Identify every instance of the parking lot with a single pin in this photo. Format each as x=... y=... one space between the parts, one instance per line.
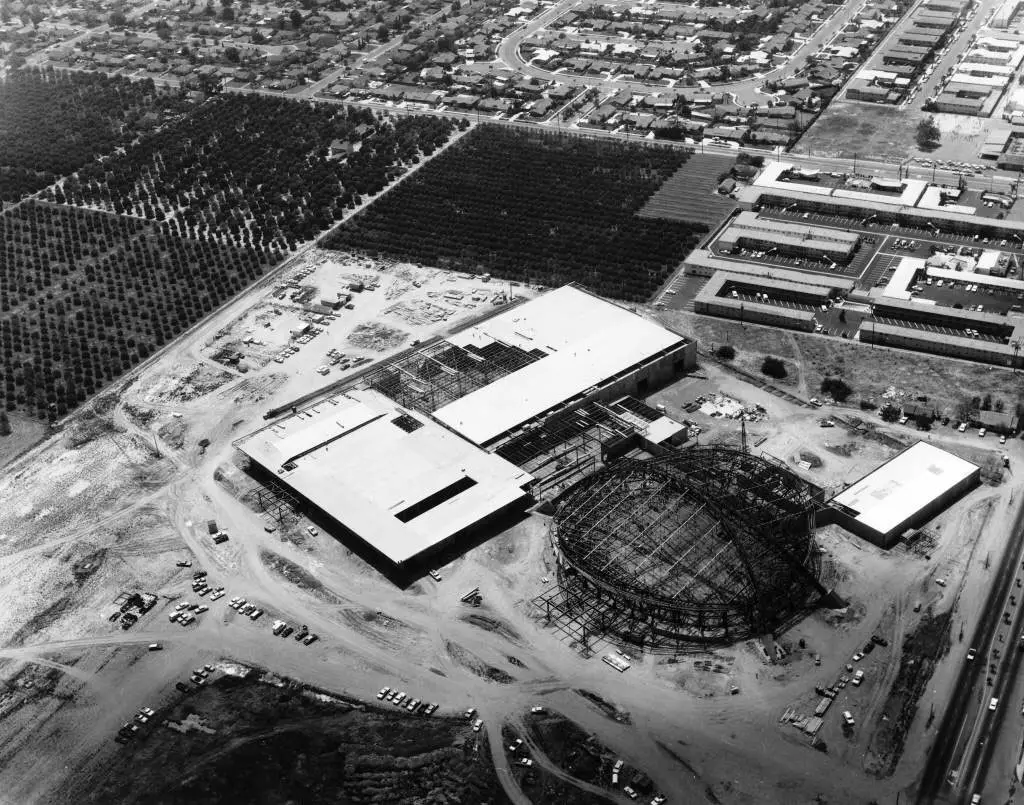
x=766 y=299
x=785 y=261
x=942 y=330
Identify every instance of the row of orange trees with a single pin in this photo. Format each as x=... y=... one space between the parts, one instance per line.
x=534 y=207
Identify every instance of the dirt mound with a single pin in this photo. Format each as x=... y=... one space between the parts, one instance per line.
x=611 y=710
x=921 y=651
x=492 y=625
x=376 y=337
x=173 y=433
x=300 y=577
x=468 y=660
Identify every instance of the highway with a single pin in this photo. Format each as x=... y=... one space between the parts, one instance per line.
x=969 y=704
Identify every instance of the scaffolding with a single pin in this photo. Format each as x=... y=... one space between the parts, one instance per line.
x=703 y=546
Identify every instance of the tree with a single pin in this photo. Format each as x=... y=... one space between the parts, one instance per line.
x=295 y=18
x=773 y=367
x=163 y=29
x=5 y=423
x=726 y=352
x=928 y=134
x=890 y=413
x=117 y=19
x=923 y=422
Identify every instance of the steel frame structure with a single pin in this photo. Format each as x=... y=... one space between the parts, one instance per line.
x=566 y=446
x=708 y=545
x=275 y=501
x=439 y=373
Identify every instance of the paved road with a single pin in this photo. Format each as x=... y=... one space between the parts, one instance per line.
x=969 y=705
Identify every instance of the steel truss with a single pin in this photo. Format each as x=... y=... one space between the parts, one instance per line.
x=430 y=378
x=275 y=501
x=705 y=546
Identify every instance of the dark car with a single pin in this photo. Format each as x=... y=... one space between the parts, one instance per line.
x=287 y=631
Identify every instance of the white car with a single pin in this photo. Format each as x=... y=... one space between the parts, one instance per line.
x=478 y=724
x=962 y=428
x=971 y=654
x=1002 y=440
x=537 y=709
x=384 y=691
x=993 y=703
x=858 y=657
x=940 y=582
x=312 y=531
x=848 y=717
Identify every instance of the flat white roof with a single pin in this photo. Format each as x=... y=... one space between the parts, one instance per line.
x=585 y=340
x=769 y=180
x=400 y=489
x=896 y=491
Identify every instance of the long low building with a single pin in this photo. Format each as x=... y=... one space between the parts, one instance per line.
x=739 y=296
x=749 y=230
x=401 y=483
x=904 y=493
x=773 y=188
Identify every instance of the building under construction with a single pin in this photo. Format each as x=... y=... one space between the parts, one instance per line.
x=706 y=545
x=420 y=449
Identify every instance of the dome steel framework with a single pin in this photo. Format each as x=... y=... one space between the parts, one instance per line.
x=705 y=546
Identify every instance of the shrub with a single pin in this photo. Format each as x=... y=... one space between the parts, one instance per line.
x=890 y=413
x=774 y=367
x=835 y=386
x=726 y=352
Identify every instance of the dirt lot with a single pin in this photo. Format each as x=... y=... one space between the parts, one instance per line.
x=869 y=131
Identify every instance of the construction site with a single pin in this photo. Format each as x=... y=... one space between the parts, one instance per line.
x=706 y=546
x=624 y=560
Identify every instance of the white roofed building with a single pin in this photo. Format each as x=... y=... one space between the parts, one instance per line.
x=905 y=492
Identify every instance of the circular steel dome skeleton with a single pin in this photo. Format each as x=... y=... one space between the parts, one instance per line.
x=707 y=545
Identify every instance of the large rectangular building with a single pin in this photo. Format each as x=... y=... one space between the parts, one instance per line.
x=413 y=451
x=588 y=350
x=401 y=483
x=904 y=493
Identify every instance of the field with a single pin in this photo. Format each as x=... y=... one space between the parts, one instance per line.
x=875 y=374
x=56 y=122
x=538 y=208
x=256 y=170
x=866 y=130
x=86 y=295
x=691 y=193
